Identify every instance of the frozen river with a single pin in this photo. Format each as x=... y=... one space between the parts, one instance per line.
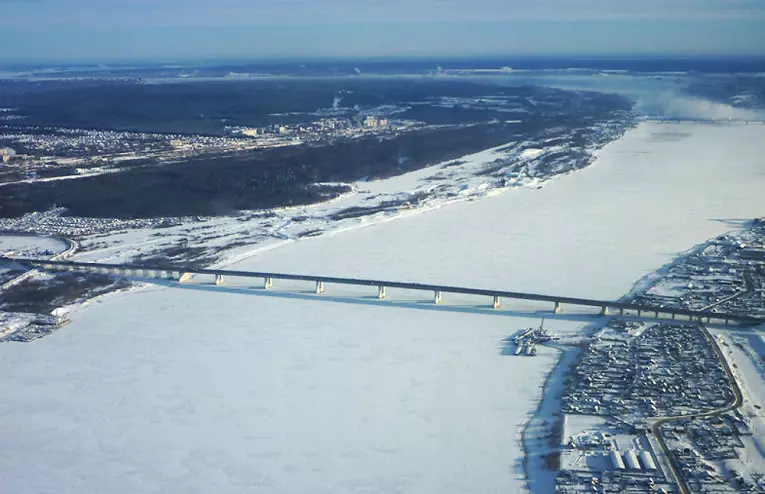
x=200 y=389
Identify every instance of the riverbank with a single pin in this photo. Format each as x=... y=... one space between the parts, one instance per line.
x=282 y=391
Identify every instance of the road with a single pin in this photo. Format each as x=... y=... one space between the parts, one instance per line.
x=736 y=403
x=160 y=271
x=73 y=246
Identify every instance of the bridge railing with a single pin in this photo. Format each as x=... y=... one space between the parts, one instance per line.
x=382 y=285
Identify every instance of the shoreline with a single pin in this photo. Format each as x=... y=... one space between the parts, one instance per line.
x=334 y=227
x=548 y=418
x=329 y=394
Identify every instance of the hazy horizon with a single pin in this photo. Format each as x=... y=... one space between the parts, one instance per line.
x=744 y=62
x=127 y=30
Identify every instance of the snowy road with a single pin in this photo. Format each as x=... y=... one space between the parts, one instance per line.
x=243 y=278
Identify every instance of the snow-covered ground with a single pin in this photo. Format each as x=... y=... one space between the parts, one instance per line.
x=206 y=240
x=30 y=246
x=227 y=389
x=741 y=350
x=658 y=191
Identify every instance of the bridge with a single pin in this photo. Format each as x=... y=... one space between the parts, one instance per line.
x=184 y=274
x=678 y=120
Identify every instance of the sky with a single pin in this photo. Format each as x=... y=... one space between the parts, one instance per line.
x=166 y=30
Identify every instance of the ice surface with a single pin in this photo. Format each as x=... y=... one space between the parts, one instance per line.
x=264 y=394
x=593 y=233
x=204 y=389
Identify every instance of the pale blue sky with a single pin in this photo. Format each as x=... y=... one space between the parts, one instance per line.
x=58 y=30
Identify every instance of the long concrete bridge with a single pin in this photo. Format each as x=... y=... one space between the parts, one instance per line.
x=184 y=274
x=745 y=121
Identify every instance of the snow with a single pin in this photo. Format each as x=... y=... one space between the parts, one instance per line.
x=593 y=233
x=198 y=388
x=10 y=322
x=29 y=246
x=740 y=349
x=531 y=153
x=243 y=398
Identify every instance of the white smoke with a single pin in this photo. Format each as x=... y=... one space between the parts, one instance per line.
x=336 y=102
x=672 y=105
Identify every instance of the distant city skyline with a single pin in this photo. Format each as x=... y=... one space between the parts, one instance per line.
x=91 y=30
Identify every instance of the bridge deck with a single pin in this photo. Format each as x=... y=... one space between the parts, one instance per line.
x=439 y=289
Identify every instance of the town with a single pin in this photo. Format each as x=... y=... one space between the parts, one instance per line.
x=34 y=153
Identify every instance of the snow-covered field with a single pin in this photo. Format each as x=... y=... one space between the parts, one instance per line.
x=225 y=389
x=30 y=246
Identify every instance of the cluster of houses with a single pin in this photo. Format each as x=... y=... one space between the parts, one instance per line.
x=629 y=375
x=706 y=447
x=665 y=370
x=726 y=275
x=57 y=222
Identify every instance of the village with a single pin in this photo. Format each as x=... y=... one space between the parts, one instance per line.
x=632 y=378
x=726 y=275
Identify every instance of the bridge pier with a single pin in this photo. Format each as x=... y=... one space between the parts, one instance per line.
x=605 y=307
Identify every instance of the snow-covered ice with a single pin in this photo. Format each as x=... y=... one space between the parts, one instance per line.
x=257 y=394
x=222 y=389
x=658 y=191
